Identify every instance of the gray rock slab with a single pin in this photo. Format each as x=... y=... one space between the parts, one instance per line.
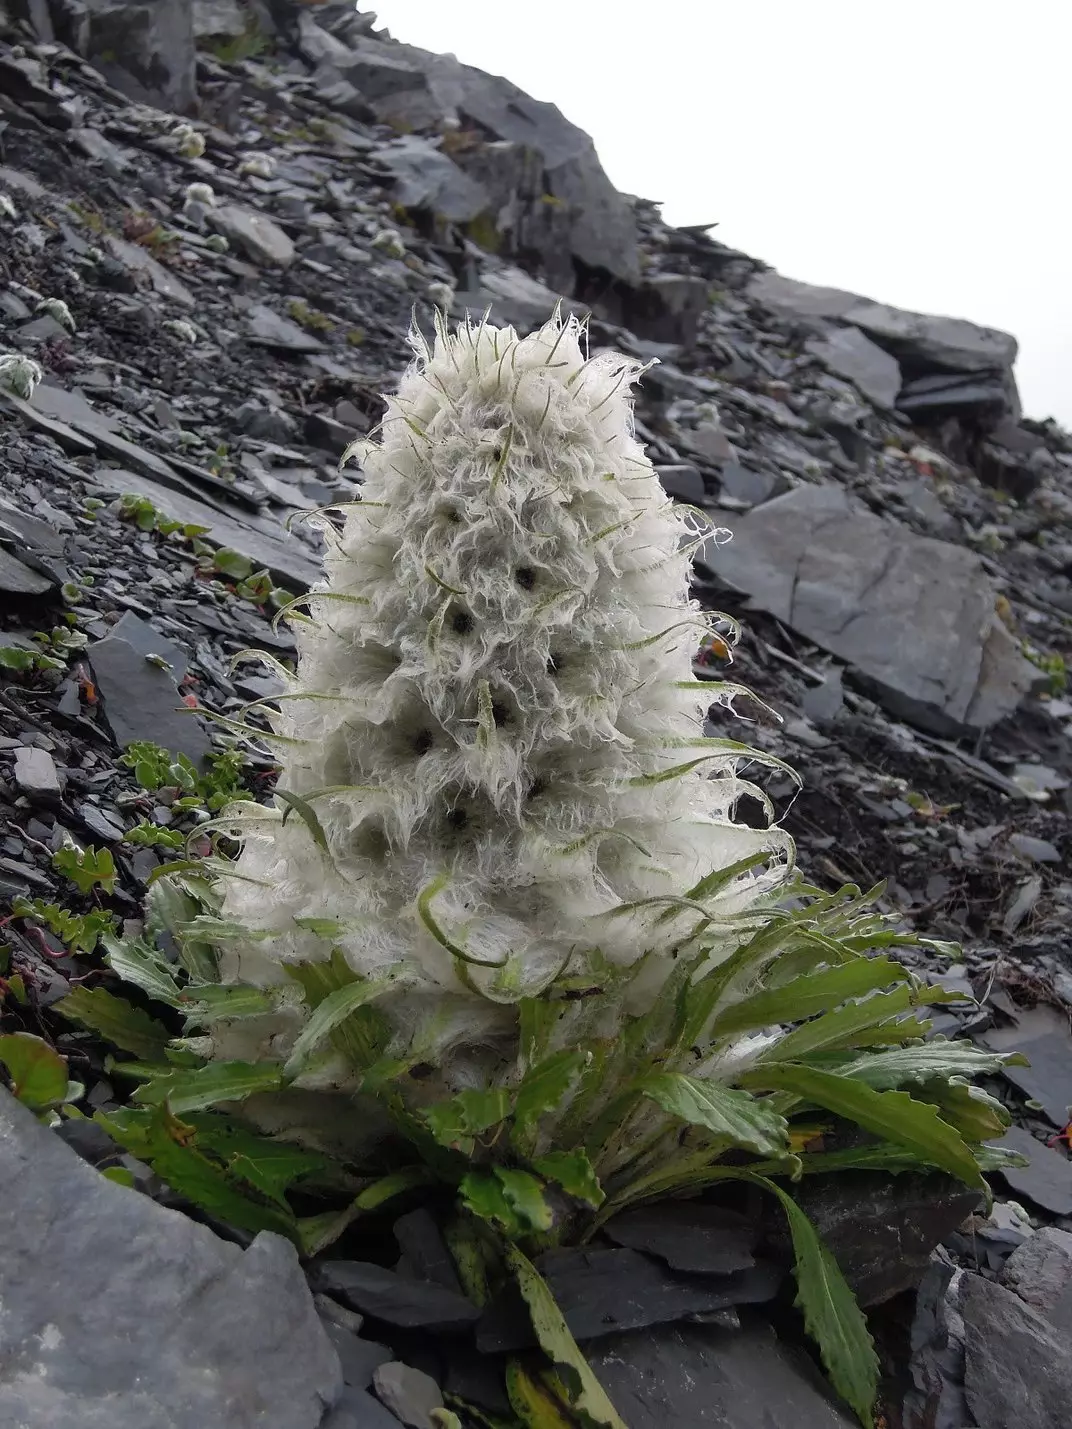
x=1041 y=1034
x=283 y=555
x=804 y=300
x=1040 y=1271
x=688 y=1236
x=359 y=1357
x=121 y=1314
x=683 y=482
x=162 y=281
x=1047 y=1181
x=147 y=640
x=269 y=329
x=1017 y=1367
x=145 y=49
x=912 y=614
x=140 y=701
x=850 y=354
x=372 y=1290
x=410 y=1394
x=36 y=774
x=952 y=343
x=703 y=1377
x=603 y=1291
x=425 y=177
x=254 y=234
x=19 y=579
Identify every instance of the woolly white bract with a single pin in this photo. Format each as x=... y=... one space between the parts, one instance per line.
x=20 y=375
x=493 y=730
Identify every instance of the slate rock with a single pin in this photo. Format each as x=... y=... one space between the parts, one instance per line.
x=253 y=234
x=18 y=579
x=683 y=482
x=747 y=486
x=385 y=1295
x=425 y=177
x=140 y=701
x=852 y=355
x=704 y=1377
x=357 y=1409
x=985 y=397
x=688 y=1235
x=1047 y=1181
x=1017 y=1367
x=147 y=640
x=1042 y=1035
x=359 y=1357
x=667 y=307
x=148 y=271
x=425 y=1255
x=602 y=1291
x=912 y=614
x=121 y=1314
x=142 y=47
x=410 y=1394
x=36 y=774
x=1040 y=1271
x=880 y=1229
x=269 y=329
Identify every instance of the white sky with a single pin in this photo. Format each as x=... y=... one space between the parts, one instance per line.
x=917 y=152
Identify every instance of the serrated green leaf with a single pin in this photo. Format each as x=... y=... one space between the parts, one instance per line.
x=546 y=1085
x=805 y=996
x=525 y=1195
x=361 y=1037
x=196 y=1090
x=844 y=1026
x=37 y=1071
x=890 y=1115
x=210 y=1002
x=573 y=1171
x=87 y=868
x=271 y=1166
x=232 y=563
x=831 y=1315
x=307 y=814
x=485 y=1196
x=466 y=1115
x=133 y=960
x=974 y=1112
x=118 y=1021
x=587 y=1398
x=936 y=1058
x=534 y=1403
x=727 y=1112
x=331 y=1013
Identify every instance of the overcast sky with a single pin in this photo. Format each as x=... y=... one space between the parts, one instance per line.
x=915 y=152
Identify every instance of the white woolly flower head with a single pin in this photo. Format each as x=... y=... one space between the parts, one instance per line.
x=19 y=375
x=7 y=208
x=217 y=243
x=260 y=166
x=493 y=716
x=389 y=241
x=58 y=310
x=188 y=141
x=203 y=194
x=441 y=294
x=180 y=328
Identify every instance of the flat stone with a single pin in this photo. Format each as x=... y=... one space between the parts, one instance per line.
x=144 y=266
x=36 y=774
x=914 y=615
x=254 y=234
x=1017 y=1367
x=668 y=307
x=19 y=579
x=1042 y=1034
x=410 y=1394
x=747 y=486
x=186 y=1330
x=1047 y=1181
x=1035 y=850
x=688 y=1236
x=141 y=702
x=385 y=1295
x=880 y=1229
x=147 y=640
x=359 y=1357
x=601 y=1291
x=709 y=441
x=269 y=329
x=1040 y=1271
x=425 y=177
x=705 y=1377
x=283 y=555
x=683 y=483
x=852 y=355
x=425 y=1255
x=953 y=343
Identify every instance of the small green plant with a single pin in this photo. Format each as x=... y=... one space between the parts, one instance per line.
x=245 y=46
x=87 y=868
x=220 y=784
x=148 y=517
x=1053 y=666
x=309 y=317
x=26 y=662
x=149 y=835
x=37 y=1075
x=79 y=932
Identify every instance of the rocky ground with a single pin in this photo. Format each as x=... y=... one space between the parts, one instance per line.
x=901 y=565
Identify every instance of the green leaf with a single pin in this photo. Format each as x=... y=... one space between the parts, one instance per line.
x=362 y=1036
x=805 y=996
x=331 y=1013
x=271 y=1166
x=186 y=1091
x=171 y=1148
x=427 y=917
x=845 y=1026
x=117 y=1021
x=587 y=1397
x=466 y=1115
x=306 y=813
x=136 y=961
x=209 y=1002
x=534 y=1402
x=831 y=1314
x=13 y=657
x=975 y=1113
x=524 y=1193
x=546 y=1085
x=485 y=1196
x=87 y=868
x=318 y=1232
x=892 y=1116
x=735 y=1115
x=936 y=1058
x=574 y=1173
x=38 y=1073
x=233 y=563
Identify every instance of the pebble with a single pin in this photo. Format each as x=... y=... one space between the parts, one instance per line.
x=408 y=1393
x=36 y=774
